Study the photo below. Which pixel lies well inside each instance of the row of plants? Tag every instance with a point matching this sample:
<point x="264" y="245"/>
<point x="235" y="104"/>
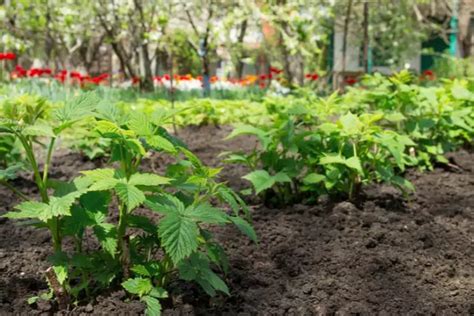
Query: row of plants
<point x="336" y="145"/>
<point x="308" y="146"/>
<point x="142" y="253"/>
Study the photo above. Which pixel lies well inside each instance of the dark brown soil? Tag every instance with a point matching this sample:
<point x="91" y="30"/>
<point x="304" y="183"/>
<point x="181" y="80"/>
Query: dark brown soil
<point x="383" y="255"/>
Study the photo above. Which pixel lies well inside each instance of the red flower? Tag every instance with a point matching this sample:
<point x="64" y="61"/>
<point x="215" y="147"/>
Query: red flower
<point x="428" y="75"/>
<point x="199" y="78"/>
<point x="261" y="85"/>
<point x="314" y="77"/>
<point x="166" y="77"/>
<point x="275" y="70"/>
<point x="263" y="77"/>
<point x="351" y="80"/>
<point x="7" y="56"/>
<point x="75" y="74"/>
<point x="19" y="71"/>
<point x="135" y="80"/>
<point x="428" y="72"/>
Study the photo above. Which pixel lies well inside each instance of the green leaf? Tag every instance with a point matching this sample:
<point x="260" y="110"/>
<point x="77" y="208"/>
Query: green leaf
<point x="107" y="235"/>
<point x="196" y="268"/>
<point x="79" y="107"/>
<point x="207" y="214"/>
<point x="140" y="123"/>
<point x="61" y="273"/>
<point x="350" y="123"/>
<point x="165" y="204"/>
<point x="281" y="177"/>
<point x="215" y="281"/>
<point x="130" y="195"/>
<point x="158" y="292"/>
<point x="153" y="306"/>
<point x="251" y="130"/>
<point x="403" y="183"/>
<point x="159" y="142"/>
<point x="260" y="179"/>
<point x="99" y="174"/>
<point x="192" y="158"/>
<point x="244" y="227"/>
<point x="104" y="185"/>
<point x="459" y="92"/>
<point x="10" y="172"/>
<point x="138" y="286"/>
<point x="313" y="178"/>
<point x="62" y="205"/>
<point x="31" y="210"/>
<point x="40" y="128"/>
<point x="148" y="179"/>
<point x="141" y="222"/>
<point x="353" y="162"/>
<point x="178" y="235"/>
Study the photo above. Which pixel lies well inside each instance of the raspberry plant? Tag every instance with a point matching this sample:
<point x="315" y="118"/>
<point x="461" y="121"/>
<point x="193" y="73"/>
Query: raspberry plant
<point x="143" y="254"/>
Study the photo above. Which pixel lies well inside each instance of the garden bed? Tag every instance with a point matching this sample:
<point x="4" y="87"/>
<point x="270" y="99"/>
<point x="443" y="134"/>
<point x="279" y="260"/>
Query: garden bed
<point x="379" y="254"/>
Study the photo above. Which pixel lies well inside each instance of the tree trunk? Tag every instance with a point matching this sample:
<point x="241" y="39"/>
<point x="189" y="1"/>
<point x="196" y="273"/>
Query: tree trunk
<point x="344" y="36"/>
<point x="147" y="83"/>
<point x="240" y="63"/>
<point x="366" y="37"/>
<point x="124" y="60"/>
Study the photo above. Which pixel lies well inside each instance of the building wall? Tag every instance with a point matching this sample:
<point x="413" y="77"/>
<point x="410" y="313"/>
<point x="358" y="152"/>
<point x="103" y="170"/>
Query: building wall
<point x="353" y="56"/>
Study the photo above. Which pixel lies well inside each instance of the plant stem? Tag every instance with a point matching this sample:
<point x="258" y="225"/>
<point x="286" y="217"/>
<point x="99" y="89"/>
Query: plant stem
<point x="121" y="228"/>
<point x="34" y="165"/>
<point x="14" y="190"/>
<point x="48" y="159"/>
<point x="54" y="228"/>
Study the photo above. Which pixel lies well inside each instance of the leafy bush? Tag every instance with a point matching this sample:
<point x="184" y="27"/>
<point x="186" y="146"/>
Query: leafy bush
<point x="178" y="244"/>
<point x="337" y="144"/>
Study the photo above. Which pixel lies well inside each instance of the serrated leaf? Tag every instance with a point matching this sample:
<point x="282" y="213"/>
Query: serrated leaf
<point x="215" y="281"/>
<point x="350" y="123"/>
<point x="99" y="174"/>
<point x="40" y="128"/>
<point x="313" y="178"/>
<point x="107" y="235"/>
<point x="138" y="286"/>
<point x="159" y="142"/>
<point x="250" y="130"/>
<point x="104" y="185"/>
<point x="192" y="158"/>
<point x="158" y="292"/>
<point x="130" y="195"/>
<point x="260" y="179"/>
<point x="459" y="92"/>
<point x="153" y="306"/>
<point x="135" y="146"/>
<point x="62" y="205"/>
<point x="244" y="227"/>
<point x="140" y="124"/>
<point x="197" y="269"/>
<point x="165" y="204"/>
<point x="281" y="177"/>
<point x="61" y="273"/>
<point x="178" y="236"/>
<point x="148" y="179"/>
<point x="31" y="209"/>
<point x="79" y="107"/>
<point x="353" y="162"/>
<point x="207" y="214"/>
